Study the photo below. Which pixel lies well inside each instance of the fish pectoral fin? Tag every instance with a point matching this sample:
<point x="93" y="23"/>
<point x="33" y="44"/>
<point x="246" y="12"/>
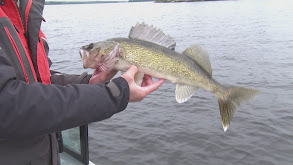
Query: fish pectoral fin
<point x="184" y="92"/>
<point x="138" y="78"/>
<point x="200" y="56"/>
<point x="142" y="31"/>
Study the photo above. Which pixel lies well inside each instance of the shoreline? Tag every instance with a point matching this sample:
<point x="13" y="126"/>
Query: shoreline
<point x="167" y="1"/>
<point x="119" y="1"/>
<point x="92" y="2"/>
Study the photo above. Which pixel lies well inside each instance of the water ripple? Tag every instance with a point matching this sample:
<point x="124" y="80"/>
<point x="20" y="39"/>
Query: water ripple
<point x="250" y="45"/>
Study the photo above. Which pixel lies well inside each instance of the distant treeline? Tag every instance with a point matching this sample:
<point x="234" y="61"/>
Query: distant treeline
<point x="90" y="2"/>
<point x="78" y="2"/>
<point x="185" y="0"/>
<point x="109" y="1"/>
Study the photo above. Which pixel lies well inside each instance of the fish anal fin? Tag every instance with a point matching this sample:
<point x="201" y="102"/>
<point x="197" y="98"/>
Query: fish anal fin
<point x="184" y="92"/>
<point x="142" y="31"/>
<point x="200" y="56"/>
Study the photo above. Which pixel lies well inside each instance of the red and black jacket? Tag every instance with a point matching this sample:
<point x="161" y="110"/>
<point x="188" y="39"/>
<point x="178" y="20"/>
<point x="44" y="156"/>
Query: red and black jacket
<point x="21" y="36"/>
<point x="32" y="109"/>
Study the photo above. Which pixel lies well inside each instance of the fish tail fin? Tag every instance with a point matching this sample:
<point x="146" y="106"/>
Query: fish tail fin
<point x="233" y="98"/>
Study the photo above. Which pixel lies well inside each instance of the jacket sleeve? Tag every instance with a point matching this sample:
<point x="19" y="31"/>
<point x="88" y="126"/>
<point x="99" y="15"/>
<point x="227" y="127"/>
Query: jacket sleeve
<point x="28" y="110"/>
<point x="64" y="79"/>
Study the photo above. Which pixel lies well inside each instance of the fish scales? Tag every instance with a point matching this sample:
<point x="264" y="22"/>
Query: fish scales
<point x="166" y="62"/>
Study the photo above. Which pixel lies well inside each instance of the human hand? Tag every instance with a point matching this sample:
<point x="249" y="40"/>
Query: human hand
<point x="101" y="77"/>
<point x="137" y="93"/>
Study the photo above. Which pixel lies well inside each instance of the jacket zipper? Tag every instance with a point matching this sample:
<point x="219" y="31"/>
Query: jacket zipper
<point x="17" y="53"/>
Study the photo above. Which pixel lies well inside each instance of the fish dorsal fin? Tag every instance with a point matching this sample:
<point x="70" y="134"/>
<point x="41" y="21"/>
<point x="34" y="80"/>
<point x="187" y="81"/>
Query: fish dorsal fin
<point x="142" y="31"/>
<point x="200" y="56"/>
<point x="184" y="92"/>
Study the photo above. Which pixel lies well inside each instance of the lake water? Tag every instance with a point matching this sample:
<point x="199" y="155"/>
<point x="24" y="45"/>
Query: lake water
<point x="250" y="44"/>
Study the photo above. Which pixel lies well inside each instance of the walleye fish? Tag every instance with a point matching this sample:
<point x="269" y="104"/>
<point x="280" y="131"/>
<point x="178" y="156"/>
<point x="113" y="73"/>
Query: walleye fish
<point x="153" y="53"/>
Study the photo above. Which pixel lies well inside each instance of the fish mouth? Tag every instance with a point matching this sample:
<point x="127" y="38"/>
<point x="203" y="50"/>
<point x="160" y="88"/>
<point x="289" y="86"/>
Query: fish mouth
<point x="102" y="58"/>
<point x="83" y="54"/>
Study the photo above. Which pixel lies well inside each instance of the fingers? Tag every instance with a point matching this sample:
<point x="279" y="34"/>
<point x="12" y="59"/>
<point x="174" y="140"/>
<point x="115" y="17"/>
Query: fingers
<point x="132" y="70"/>
<point x="101" y="77"/>
<point x="146" y="80"/>
<point x="129" y="74"/>
<point x="138" y="93"/>
<point x="152" y="87"/>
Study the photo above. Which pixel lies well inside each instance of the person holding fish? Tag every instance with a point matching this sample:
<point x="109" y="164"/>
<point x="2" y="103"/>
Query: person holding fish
<point x="35" y="103"/>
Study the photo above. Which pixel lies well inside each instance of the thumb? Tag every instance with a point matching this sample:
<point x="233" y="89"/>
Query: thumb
<point x="132" y="70"/>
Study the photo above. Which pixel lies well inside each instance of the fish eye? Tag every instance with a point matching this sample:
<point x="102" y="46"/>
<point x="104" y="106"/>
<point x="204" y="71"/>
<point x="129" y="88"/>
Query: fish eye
<point x="91" y="46"/>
